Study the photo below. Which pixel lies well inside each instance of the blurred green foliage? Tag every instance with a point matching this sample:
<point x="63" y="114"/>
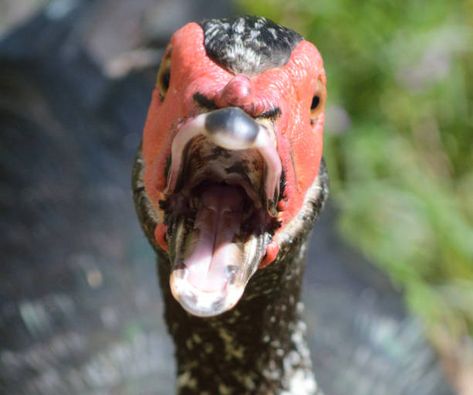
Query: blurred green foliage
<point x="399" y="139"/>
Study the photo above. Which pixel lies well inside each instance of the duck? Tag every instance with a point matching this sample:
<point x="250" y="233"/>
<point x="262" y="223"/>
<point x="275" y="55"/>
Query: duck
<point x="224" y="192"/>
<point x="80" y="310"/>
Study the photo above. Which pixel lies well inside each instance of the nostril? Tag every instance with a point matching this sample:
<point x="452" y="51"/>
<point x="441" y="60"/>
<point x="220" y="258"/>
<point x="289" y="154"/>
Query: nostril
<point x="231" y="128"/>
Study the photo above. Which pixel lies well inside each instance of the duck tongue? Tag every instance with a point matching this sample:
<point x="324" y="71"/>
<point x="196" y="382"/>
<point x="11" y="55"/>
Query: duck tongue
<point x="212" y="268"/>
<point x="217" y="223"/>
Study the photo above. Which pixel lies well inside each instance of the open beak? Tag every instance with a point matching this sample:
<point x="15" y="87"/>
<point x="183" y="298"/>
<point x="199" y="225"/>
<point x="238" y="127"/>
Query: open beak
<point x="220" y="207"/>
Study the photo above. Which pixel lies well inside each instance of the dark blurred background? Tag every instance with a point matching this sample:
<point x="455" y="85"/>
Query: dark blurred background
<point x="389" y="286"/>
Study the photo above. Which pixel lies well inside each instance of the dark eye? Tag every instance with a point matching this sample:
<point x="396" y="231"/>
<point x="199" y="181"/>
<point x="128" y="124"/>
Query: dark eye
<point x="165" y="78"/>
<point x="318" y="100"/>
<point x="164" y="74"/>
<point x="315" y="102"/>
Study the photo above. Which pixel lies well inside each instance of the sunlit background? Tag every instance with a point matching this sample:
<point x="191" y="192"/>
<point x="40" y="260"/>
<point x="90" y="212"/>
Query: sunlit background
<point x="399" y="143"/>
<point x="399" y="139"/>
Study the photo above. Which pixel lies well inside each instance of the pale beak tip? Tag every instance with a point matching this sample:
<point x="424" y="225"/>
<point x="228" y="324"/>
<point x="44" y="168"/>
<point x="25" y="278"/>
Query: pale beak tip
<point x="204" y="304"/>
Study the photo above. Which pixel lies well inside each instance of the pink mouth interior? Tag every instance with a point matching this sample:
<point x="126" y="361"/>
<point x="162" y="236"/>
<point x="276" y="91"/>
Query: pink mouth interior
<point x="218" y="222"/>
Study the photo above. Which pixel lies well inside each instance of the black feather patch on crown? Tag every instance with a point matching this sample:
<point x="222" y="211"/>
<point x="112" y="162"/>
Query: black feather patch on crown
<point x="248" y="44"/>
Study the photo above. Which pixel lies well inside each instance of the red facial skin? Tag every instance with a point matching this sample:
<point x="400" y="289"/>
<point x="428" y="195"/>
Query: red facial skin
<point x="290" y="87"/>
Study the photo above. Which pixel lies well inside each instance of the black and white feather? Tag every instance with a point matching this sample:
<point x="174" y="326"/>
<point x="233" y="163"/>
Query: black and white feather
<point x="248" y="44"/>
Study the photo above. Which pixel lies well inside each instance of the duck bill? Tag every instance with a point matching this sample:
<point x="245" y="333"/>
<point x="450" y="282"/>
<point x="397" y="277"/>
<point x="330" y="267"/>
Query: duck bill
<point x="224" y="170"/>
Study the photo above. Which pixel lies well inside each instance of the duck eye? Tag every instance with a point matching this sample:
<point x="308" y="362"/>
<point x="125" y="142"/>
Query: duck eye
<point x="315" y="102"/>
<point x="164" y="74"/>
<point x="318" y="100"/>
<point x="164" y="80"/>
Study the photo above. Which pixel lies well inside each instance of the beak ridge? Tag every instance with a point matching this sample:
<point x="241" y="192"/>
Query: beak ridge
<point x="232" y="128"/>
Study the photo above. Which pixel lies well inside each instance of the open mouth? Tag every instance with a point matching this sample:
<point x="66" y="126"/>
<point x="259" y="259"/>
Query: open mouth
<point x="223" y="186"/>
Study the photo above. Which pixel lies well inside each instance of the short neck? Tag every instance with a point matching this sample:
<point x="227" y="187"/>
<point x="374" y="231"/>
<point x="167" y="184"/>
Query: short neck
<point x="258" y="347"/>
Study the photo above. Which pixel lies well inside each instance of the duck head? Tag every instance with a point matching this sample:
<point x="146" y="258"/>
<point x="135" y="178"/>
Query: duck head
<point x="230" y="156"/>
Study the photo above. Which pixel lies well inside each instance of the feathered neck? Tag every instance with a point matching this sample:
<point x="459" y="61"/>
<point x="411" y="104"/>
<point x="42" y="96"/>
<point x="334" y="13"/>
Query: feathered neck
<point x="258" y="347"/>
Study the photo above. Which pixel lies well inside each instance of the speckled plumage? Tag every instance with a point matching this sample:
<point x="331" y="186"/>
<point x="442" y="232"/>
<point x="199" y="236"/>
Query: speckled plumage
<point x="248" y="44"/>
